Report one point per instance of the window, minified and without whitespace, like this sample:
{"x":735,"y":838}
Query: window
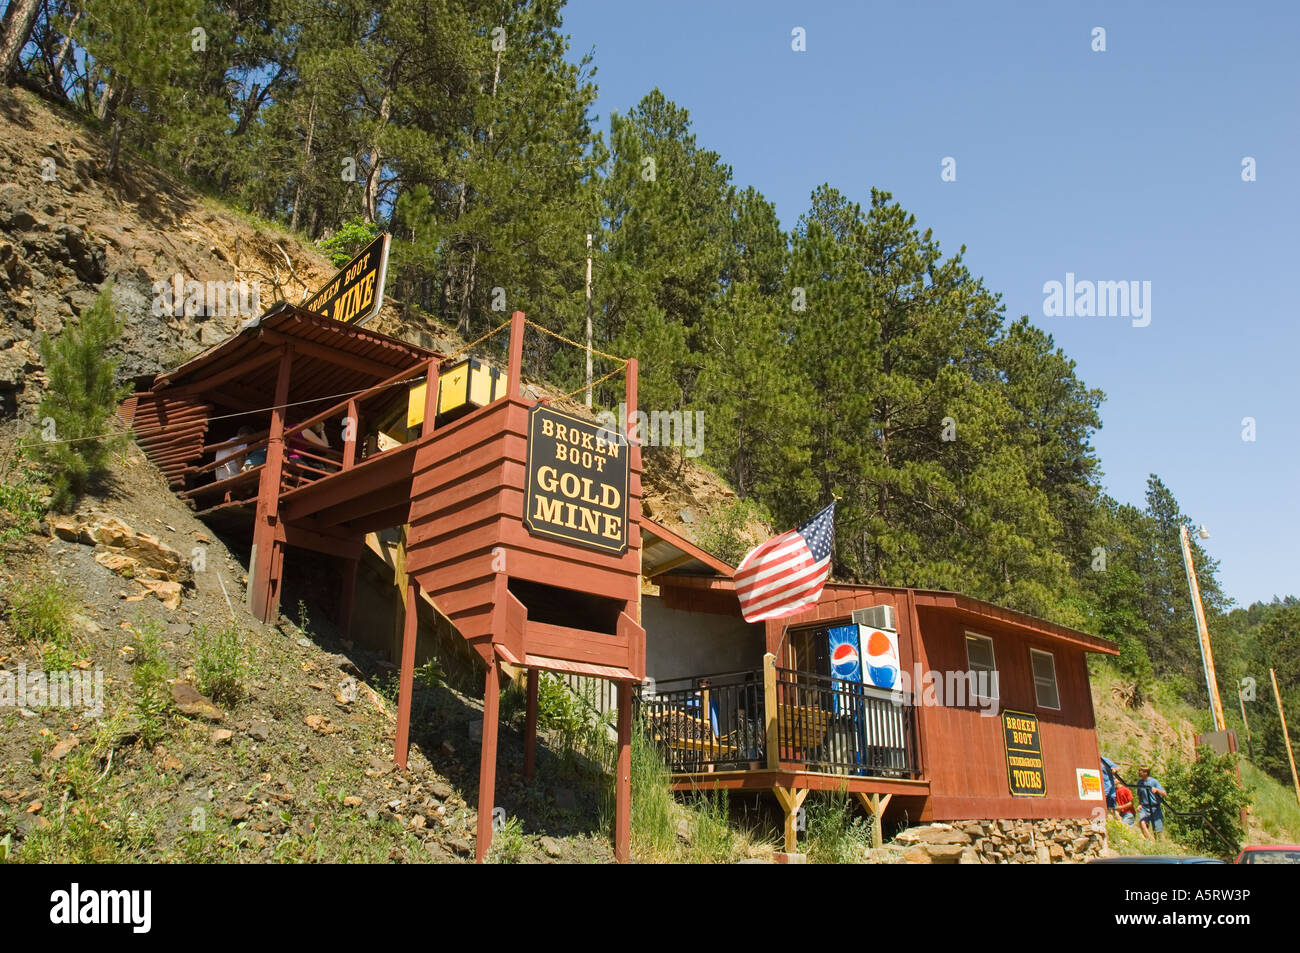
{"x":982,"y":666}
{"x":1045,"y":679}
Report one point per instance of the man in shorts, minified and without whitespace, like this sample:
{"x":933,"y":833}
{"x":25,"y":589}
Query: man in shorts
{"x":1151,"y":815}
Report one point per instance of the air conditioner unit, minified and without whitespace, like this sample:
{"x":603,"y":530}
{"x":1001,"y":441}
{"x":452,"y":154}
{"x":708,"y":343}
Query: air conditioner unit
{"x":877,"y":617}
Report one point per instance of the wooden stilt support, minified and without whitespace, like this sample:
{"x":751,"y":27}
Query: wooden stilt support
{"x":406,"y":685}
{"x":875,"y":805}
{"x":623,"y":777}
{"x":514,"y":370}
{"x":487,"y":772}
{"x":265,"y":561}
{"x":346,"y":596}
{"x":791,"y":800}
{"x":530,"y":726}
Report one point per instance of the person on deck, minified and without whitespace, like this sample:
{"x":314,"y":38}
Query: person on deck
{"x":231,"y":459}
{"x":1151,"y":815}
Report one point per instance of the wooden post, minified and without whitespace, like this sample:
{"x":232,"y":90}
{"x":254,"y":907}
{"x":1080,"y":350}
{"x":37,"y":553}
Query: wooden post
{"x":875,"y":806}
{"x":1286,"y":735}
{"x":530,"y":726}
{"x":514,"y":385}
{"x":623,"y":778}
{"x":347,"y":595}
{"x":430,"y":397}
{"x":399,"y":593}
{"x":266,"y":555}
{"x":487,"y":771}
{"x":407,"y":681}
{"x":350,"y":426}
{"x":629,"y":398}
{"x":791,"y":800}
{"x":770,"y":712}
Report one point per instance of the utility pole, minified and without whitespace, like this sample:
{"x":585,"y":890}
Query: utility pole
{"x":589,"y":320}
{"x":1202,"y":631}
{"x":1286,"y":735}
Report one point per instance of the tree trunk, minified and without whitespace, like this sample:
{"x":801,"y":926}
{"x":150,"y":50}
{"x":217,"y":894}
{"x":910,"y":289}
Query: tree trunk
{"x":56,"y":73}
{"x":115,"y":146}
{"x":297,"y":194}
{"x":376,"y":159}
{"x":19,"y":20}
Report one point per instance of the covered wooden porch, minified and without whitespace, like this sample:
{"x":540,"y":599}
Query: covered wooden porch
{"x":790,"y":732}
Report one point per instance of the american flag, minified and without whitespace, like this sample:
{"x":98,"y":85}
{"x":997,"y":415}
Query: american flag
{"x":786,"y":574}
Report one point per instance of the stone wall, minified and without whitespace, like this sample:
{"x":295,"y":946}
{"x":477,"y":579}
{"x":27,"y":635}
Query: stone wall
{"x":1051,"y":841}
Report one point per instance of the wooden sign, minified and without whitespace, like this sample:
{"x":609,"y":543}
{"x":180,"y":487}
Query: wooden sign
{"x":354,"y":295}
{"x":577,"y":481}
{"x":1025,"y":773}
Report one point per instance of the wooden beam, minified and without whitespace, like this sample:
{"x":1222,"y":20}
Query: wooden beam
{"x":267,"y":554}
{"x":347,"y":595}
{"x":790,"y":799}
{"x":530,"y":724}
{"x":239,"y":369}
{"x":351,"y":425}
{"x":331,"y":355}
{"x":623,"y":777}
{"x":769,"y":712}
{"x":514,"y":382}
{"x":406,"y":683}
{"x":487,"y":771}
{"x":875,"y":805}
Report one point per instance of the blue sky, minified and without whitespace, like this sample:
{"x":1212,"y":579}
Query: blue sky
{"x":1116,"y":165}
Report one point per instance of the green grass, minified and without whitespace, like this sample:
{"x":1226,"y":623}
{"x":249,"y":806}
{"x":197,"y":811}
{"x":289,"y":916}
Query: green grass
{"x":1274,"y":808}
{"x":40,"y":613}
{"x":508,"y":843}
{"x":836,"y":833}
{"x":21,"y":504}
{"x":152,"y":700}
{"x":223,"y":663}
{"x":1129,"y":840}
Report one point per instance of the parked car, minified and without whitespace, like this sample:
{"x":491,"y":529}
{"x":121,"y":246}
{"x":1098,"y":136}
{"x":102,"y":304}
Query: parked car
{"x":1269,"y":854}
{"x":1156,"y":859}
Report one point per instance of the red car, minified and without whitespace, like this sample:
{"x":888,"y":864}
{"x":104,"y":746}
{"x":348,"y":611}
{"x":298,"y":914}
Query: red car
{"x":1269,"y":854}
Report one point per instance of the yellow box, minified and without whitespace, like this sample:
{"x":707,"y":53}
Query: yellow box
{"x":461,"y":388}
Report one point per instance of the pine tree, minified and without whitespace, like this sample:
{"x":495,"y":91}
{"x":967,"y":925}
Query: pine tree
{"x":75,"y":413}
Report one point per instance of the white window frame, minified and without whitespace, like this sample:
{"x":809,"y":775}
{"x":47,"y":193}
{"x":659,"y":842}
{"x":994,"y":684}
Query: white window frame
{"x":1056,"y":682}
{"x":970,"y":670}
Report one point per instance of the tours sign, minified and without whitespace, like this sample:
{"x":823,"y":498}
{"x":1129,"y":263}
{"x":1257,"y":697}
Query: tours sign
{"x":577,"y":481}
{"x":1025,"y":772}
{"x":354,"y":295}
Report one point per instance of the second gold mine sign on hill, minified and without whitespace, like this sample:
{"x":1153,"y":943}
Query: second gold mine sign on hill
{"x":577,"y":481}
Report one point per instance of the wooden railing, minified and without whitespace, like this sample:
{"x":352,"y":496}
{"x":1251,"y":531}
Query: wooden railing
{"x":302,"y":465}
{"x":776,"y":718}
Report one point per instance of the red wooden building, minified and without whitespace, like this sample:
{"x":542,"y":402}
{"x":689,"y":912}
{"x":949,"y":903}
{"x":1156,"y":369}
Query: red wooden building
{"x":327,"y":455}
{"x":755,"y":706}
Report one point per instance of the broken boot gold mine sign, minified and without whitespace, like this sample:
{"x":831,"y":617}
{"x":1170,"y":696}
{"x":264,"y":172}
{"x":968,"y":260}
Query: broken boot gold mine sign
{"x":577,"y":481}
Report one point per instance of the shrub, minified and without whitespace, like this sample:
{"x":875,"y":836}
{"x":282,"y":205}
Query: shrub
{"x":41,"y":613}
{"x":348,"y":240}
{"x":834,"y":833}
{"x":725,"y":534}
{"x":223,"y":663}
{"x":75,"y":413}
{"x":21,"y":503}
{"x":1208,"y":800}
{"x":152,"y":697}
{"x":507,"y":843}
{"x":1136,"y":664}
